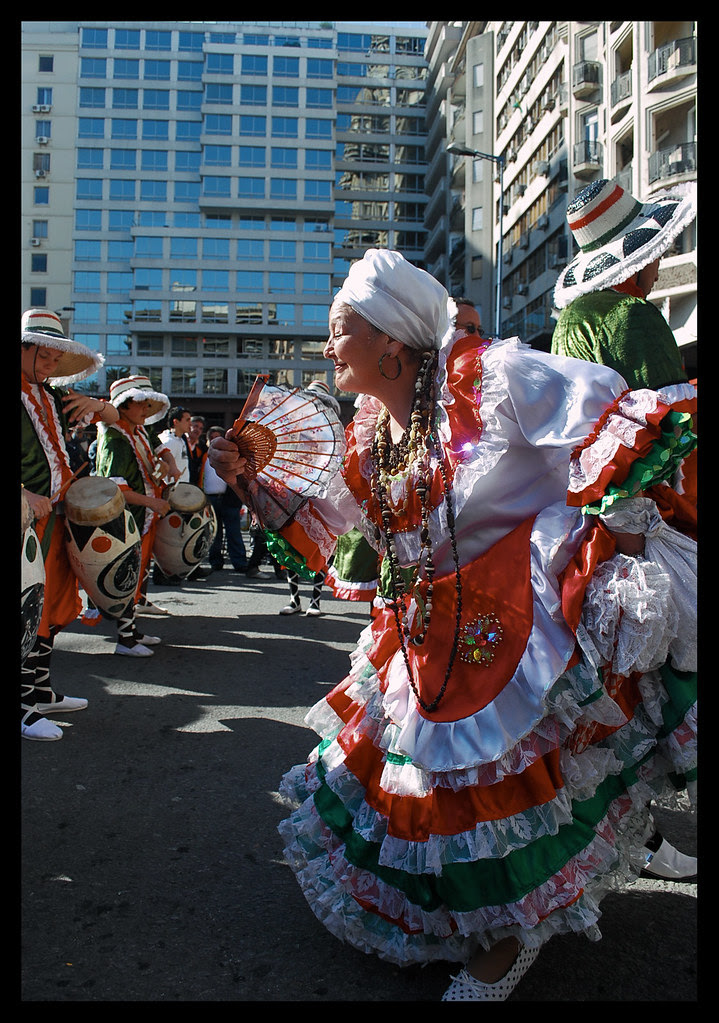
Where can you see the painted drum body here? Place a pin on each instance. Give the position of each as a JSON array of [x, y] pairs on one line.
[[103, 543], [32, 581], [184, 535]]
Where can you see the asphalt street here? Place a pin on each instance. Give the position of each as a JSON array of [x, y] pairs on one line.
[[151, 866]]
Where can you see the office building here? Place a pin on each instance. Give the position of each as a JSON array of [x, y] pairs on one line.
[[194, 192]]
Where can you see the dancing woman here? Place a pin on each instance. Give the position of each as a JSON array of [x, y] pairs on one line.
[[484, 770]]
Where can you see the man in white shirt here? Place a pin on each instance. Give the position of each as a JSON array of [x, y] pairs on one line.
[[174, 438]]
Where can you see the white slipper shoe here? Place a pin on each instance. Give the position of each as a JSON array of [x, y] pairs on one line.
[[42, 730], [466, 988], [63, 706]]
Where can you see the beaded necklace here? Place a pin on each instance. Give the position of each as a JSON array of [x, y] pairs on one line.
[[412, 456]]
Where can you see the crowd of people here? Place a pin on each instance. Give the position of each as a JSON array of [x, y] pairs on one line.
[[523, 525]]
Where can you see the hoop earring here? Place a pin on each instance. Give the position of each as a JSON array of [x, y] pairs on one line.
[[399, 366]]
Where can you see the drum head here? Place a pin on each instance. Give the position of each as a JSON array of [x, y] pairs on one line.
[[186, 497], [93, 499]]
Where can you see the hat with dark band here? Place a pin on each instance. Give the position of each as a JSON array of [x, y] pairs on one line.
[[139, 388], [43, 328], [618, 235]]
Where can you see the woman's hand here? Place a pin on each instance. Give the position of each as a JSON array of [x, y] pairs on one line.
[[40, 506], [83, 406], [159, 505], [226, 459]]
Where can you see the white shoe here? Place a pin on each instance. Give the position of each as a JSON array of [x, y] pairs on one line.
[[149, 640], [466, 988], [668, 864], [151, 609], [313, 611], [63, 706], [290, 609], [43, 730], [138, 650]]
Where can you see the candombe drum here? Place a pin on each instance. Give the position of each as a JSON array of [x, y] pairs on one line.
[[32, 580], [185, 534], [103, 543]]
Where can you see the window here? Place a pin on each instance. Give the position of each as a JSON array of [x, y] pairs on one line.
[[147, 279], [283, 314], [191, 41], [216, 248], [254, 64], [158, 40], [94, 38], [91, 127], [123, 68], [251, 188], [217, 186], [115, 312], [93, 67], [38, 297], [187, 191], [284, 127], [123, 128], [282, 282], [44, 95], [220, 63], [254, 39], [282, 251], [188, 101], [121, 189], [89, 159], [249, 280], [317, 98], [183, 280], [39, 228], [121, 220], [317, 68], [217, 156], [219, 124], [87, 281], [120, 251], [89, 188], [148, 246], [477, 218], [189, 71], [183, 248], [188, 131], [316, 284], [216, 280], [318, 128], [119, 281], [253, 95], [478, 74], [123, 159], [186, 221], [250, 248], [87, 251], [41, 195], [151, 218], [314, 315], [153, 191], [45, 63], [38, 262], [283, 157], [156, 99], [157, 71], [221, 221], [154, 160], [217, 93], [214, 381], [252, 156], [124, 99], [285, 96], [318, 190], [155, 129], [317, 252], [478, 122], [86, 312], [286, 67], [127, 39], [318, 159], [283, 188], [92, 97]]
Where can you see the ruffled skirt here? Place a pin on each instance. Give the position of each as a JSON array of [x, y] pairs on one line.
[[419, 859]]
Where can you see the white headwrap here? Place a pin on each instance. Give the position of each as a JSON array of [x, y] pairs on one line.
[[401, 300]]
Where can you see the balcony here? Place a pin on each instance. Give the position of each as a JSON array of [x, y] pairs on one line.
[[585, 78], [679, 160], [621, 93], [671, 61], [588, 158]]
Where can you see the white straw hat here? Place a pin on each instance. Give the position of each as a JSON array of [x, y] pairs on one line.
[[139, 388], [42, 327]]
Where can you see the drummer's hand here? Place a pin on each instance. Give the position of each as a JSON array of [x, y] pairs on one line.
[[81, 406], [226, 459], [40, 506], [159, 505]]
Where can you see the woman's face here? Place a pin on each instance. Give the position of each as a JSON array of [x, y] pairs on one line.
[[355, 347], [135, 412]]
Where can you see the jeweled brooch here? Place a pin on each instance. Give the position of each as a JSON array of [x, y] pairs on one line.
[[479, 640]]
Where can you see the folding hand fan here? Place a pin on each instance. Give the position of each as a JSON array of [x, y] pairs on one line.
[[293, 444]]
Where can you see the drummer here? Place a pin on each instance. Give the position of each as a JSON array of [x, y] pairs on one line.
[[50, 362], [125, 453]]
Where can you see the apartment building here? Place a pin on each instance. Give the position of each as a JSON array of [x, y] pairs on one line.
[[194, 192], [561, 104]]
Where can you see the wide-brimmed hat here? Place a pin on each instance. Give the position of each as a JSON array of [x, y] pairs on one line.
[[139, 388], [42, 327], [618, 235]]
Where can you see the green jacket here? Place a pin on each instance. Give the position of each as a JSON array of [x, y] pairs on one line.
[[626, 333]]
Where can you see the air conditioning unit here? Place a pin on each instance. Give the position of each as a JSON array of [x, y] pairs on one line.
[[36, 108], [42, 140], [543, 221], [45, 108], [35, 241], [40, 173], [522, 289]]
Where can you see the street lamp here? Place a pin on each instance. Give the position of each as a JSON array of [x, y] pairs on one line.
[[459, 150]]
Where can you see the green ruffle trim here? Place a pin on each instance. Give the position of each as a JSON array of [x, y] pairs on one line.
[[286, 555], [669, 450]]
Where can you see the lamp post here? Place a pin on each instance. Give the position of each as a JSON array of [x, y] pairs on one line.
[[459, 150]]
